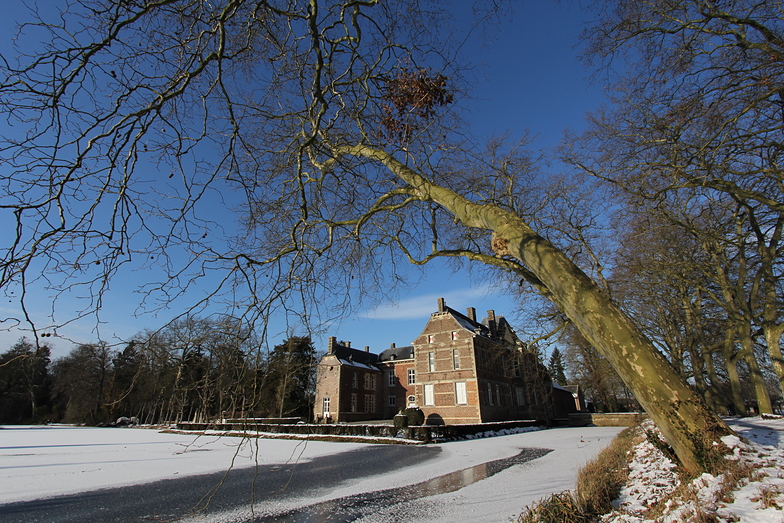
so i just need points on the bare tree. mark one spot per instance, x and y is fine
(330, 125)
(699, 113)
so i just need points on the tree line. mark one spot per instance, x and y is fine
(194, 369)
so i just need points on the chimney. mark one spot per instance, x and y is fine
(441, 305)
(491, 322)
(392, 345)
(347, 344)
(331, 345)
(367, 348)
(471, 313)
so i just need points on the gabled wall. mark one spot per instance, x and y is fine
(480, 372)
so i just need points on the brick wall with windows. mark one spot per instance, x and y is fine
(459, 370)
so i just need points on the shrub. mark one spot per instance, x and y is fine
(415, 416)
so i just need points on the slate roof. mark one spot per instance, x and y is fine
(397, 353)
(467, 323)
(355, 357)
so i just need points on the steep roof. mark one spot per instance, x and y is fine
(467, 323)
(397, 353)
(355, 357)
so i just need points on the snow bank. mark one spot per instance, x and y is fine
(756, 498)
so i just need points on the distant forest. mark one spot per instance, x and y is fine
(195, 369)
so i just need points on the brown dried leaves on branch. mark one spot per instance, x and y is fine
(411, 99)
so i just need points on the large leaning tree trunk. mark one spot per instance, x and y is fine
(690, 426)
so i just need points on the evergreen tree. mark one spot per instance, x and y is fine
(289, 380)
(556, 367)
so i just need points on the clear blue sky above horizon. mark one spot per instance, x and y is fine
(529, 78)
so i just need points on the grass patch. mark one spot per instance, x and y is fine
(558, 508)
(598, 483)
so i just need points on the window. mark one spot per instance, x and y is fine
(325, 407)
(355, 381)
(411, 376)
(455, 359)
(354, 401)
(454, 335)
(391, 379)
(461, 397)
(431, 361)
(370, 403)
(497, 395)
(370, 381)
(520, 396)
(431, 338)
(411, 401)
(489, 394)
(392, 401)
(430, 397)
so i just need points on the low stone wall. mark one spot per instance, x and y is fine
(423, 433)
(264, 421)
(608, 419)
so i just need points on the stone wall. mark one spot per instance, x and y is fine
(424, 433)
(609, 419)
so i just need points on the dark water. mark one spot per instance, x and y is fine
(351, 508)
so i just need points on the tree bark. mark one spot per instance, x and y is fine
(764, 405)
(690, 427)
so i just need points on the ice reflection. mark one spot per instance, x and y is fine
(351, 508)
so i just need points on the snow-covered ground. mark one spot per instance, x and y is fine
(39, 462)
(757, 498)
(45, 461)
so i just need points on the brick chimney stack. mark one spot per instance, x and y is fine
(367, 348)
(331, 345)
(491, 323)
(392, 345)
(471, 313)
(441, 305)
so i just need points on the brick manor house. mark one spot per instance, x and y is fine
(457, 371)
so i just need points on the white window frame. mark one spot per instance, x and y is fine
(325, 406)
(392, 401)
(354, 402)
(411, 376)
(455, 359)
(430, 395)
(431, 361)
(391, 378)
(461, 393)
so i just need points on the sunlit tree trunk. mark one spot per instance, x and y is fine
(689, 425)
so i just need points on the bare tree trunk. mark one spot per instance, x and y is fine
(758, 381)
(683, 417)
(773, 341)
(713, 384)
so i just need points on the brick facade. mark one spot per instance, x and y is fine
(458, 370)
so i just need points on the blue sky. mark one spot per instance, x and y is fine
(528, 78)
